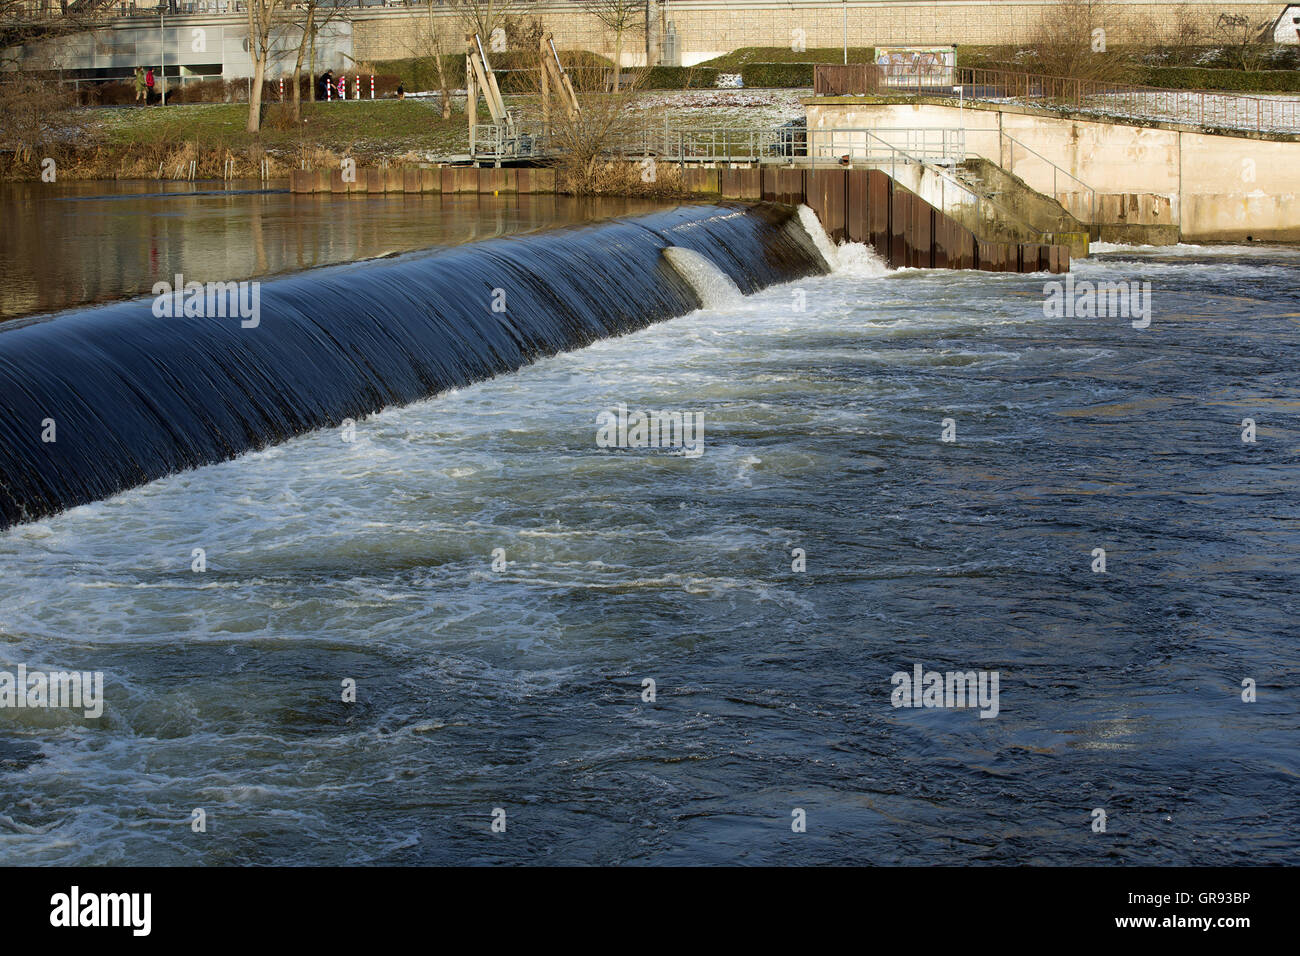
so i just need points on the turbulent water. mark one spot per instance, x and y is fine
(521, 688)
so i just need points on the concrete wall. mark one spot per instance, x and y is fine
(1209, 186)
(201, 44)
(708, 28)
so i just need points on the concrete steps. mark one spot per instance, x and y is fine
(1042, 215)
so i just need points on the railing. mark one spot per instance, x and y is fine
(682, 145)
(942, 144)
(1057, 172)
(933, 150)
(1262, 114)
(706, 144)
(497, 142)
(210, 7)
(690, 144)
(846, 80)
(852, 79)
(945, 146)
(173, 79)
(947, 181)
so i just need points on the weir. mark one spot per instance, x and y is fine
(99, 400)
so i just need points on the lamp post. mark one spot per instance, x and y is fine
(162, 47)
(846, 32)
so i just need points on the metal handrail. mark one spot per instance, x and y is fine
(1011, 168)
(946, 177)
(945, 144)
(683, 144)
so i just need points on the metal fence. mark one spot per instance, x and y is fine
(856, 79)
(790, 144)
(1215, 109)
(1264, 114)
(497, 142)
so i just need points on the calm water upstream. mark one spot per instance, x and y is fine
(521, 688)
(67, 244)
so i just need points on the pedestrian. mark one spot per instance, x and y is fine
(148, 83)
(326, 82)
(140, 90)
(401, 92)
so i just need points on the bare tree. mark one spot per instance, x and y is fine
(1245, 39)
(37, 113)
(484, 17)
(431, 41)
(1075, 39)
(261, 25)
(326, 13)
(588, 141)
(315, 16)
(21, 25)
(305, 41)
(37, 118)
(1189, 32)
(620, 16)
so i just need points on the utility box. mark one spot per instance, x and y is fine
(671, 52)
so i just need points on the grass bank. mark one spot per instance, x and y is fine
(134, 142)
(736, 60)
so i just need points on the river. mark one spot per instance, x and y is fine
(500, 588)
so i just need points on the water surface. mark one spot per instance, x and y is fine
(67, 244)
(521, 688)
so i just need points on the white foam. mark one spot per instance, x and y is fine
(859, 259)
(850, 258)
(1192, 249)
(715, 288)
(813, 226)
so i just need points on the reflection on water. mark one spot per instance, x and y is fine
(64, 245)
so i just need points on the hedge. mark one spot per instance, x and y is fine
(778, 75)
(420, 74)
(736, 60)
(1195, 78)
(678, 78)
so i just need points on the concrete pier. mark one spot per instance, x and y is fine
(1132, 181)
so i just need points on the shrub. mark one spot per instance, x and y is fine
(734, 61)
(1252, 81)
(420, 74)
(678, 78)
(778, 75)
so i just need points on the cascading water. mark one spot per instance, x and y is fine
(711, 284)
(851, 258)
(100, 400)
